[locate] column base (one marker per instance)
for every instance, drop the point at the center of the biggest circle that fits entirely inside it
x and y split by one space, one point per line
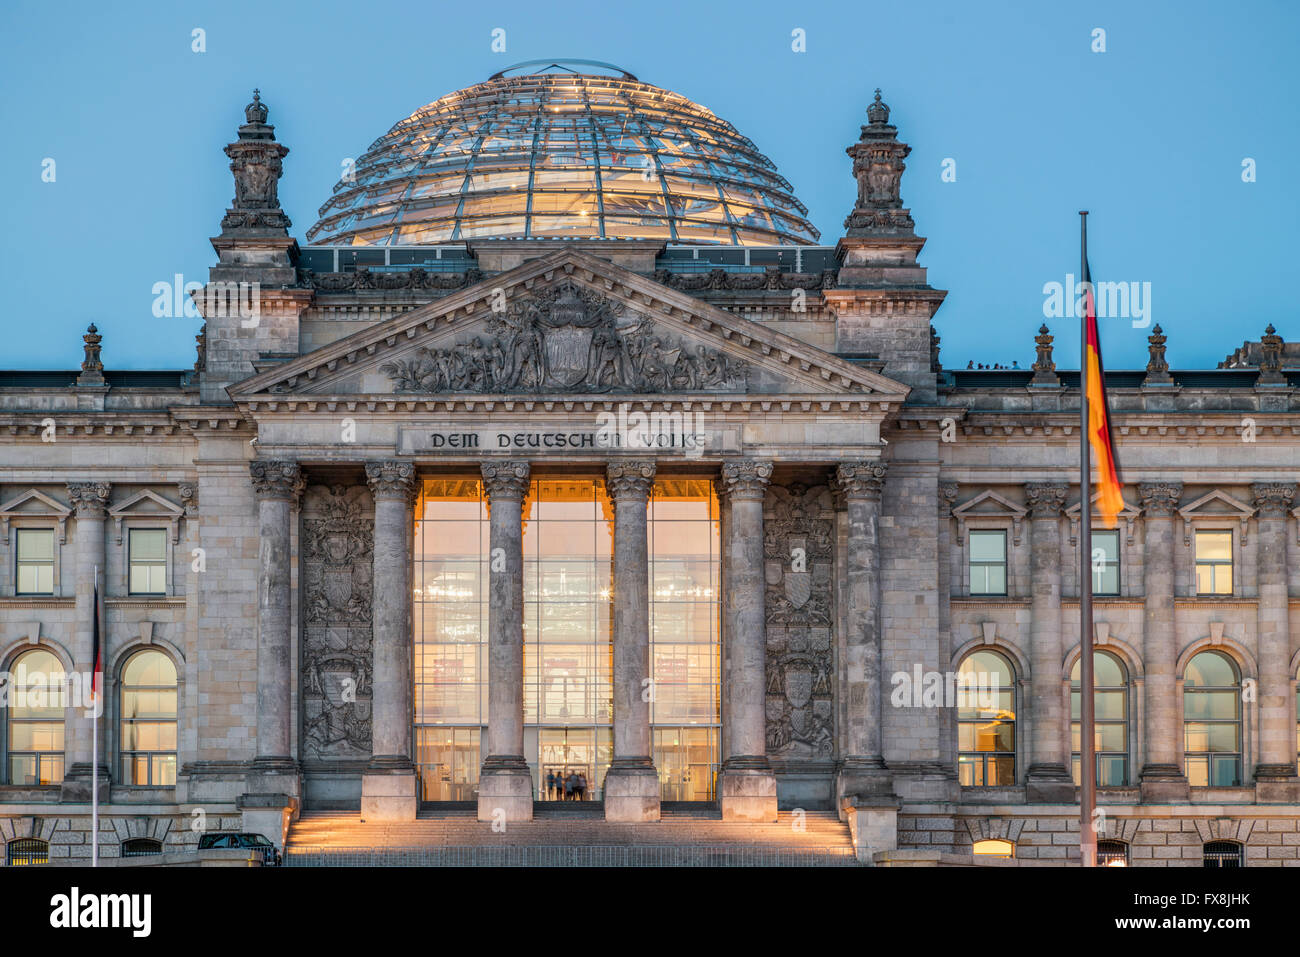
1164 784
865 781
505 789
268 814
632 791
1276 784
388 789
747 791
275 774
1049 784
76 786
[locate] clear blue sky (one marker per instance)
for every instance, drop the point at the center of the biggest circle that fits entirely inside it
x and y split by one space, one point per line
1149 136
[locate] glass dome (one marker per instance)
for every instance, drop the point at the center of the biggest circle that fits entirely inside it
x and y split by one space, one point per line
561 154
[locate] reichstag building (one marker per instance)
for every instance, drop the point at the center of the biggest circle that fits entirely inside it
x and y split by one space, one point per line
565 476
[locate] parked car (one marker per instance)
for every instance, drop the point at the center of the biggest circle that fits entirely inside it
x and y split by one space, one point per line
256 843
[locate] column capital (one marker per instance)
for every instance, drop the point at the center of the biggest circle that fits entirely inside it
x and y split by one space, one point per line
272 479
392 479
948 492
89 499
745 480
860 479
630 478
505 479
1273 499
1160 498
1045 499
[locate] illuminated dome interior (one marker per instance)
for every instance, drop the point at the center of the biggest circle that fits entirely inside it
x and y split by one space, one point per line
557 153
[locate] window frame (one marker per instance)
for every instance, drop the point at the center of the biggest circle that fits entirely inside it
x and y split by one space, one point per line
1238 722
971 563
1230 563
27 847
1221 860
1117 563
7 719
1014 722
123 753
18 532
164 562
1127 723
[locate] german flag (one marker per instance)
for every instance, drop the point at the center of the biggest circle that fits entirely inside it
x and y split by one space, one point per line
1110 499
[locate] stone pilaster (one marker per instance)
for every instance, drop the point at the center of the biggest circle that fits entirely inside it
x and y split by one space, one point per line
505 790
863 775
1048 779
90 504
388 791
1275 775
1162 777
746 784
632 783
278 487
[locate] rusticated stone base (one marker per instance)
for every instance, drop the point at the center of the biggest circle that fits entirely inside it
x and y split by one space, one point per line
747 795
505 791
632 794
388 796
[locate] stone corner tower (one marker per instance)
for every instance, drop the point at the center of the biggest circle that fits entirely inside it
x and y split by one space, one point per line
250 304
882 302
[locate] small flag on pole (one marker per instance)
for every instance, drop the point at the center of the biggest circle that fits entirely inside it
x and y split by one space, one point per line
1110 500
96 652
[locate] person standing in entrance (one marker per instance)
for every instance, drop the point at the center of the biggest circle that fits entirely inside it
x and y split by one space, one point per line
550 785
581 786
568 786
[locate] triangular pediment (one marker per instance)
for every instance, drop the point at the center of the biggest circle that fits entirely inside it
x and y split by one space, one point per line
35 504
149 505
1129 514
569 324
989 504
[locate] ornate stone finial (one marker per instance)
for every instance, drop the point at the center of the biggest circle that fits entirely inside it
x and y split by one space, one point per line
878 167
391 480
860 479
255 159
89 499
630 477
201 349
505 479
273 479
1273 499
1160 498
1157 367
1044 367
256 111
1270 358
878 111
92 368
745 481
1045 499
935 365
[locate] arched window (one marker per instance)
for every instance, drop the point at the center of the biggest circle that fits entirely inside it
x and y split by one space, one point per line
994 848
1222 854
27 850
35 719
148 722
1212 721
141 847
1112 854
1110 719
986 721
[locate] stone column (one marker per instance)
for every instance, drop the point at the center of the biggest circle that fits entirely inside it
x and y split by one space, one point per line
1275 775
863 777
1048 779
632 784
388 791
1162 778
746 785
278 487
90 503
505 785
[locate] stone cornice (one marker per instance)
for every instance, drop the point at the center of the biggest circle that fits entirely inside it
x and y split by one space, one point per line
763 346
812 405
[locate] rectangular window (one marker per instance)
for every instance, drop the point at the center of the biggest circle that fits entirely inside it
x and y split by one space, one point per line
1105 562
35 561
147 556
988 563
1214 563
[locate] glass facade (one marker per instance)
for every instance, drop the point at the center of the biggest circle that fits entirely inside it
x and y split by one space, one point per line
568 634
563 155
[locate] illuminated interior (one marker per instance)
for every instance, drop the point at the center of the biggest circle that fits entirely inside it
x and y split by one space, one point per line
562 154
568 642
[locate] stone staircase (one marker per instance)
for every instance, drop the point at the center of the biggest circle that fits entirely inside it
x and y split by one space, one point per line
568 834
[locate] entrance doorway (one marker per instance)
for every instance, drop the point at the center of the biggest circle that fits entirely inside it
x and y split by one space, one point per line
687 763
582 751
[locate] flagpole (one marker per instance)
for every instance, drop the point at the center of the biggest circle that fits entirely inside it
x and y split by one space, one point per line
1087 761
94 733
